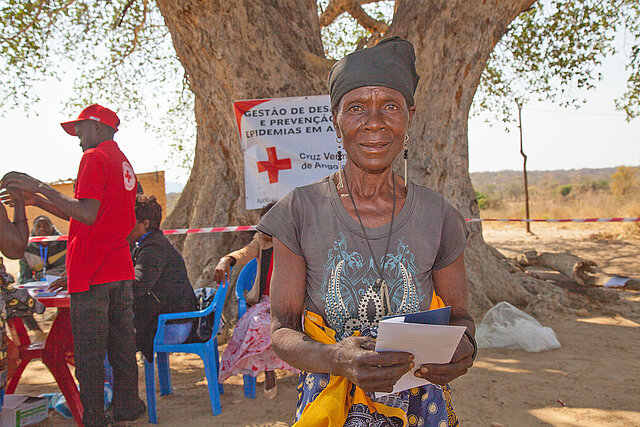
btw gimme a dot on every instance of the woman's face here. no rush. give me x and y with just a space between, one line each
138 231
372 122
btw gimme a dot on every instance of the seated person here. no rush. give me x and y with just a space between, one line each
161 284
19 303
13 242
41 259
249 350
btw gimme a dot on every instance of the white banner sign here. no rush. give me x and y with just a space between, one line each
287 142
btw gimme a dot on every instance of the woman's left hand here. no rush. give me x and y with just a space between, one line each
459 365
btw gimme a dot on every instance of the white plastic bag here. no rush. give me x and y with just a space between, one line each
504 326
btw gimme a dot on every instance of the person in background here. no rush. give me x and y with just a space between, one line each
161 284
19 303
99 266
249 350
14 237
44 258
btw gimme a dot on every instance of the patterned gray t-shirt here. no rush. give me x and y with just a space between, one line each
428 234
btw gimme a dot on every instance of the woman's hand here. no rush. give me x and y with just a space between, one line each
459 365
222 269
356 359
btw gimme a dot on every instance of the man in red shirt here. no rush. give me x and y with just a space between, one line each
99 266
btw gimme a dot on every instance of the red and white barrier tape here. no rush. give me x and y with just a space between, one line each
253 227
166 232
629 219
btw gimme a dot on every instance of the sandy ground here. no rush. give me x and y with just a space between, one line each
594 373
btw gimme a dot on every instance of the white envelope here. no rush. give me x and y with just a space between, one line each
427 343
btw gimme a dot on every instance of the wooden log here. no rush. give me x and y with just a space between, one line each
593 292
546 274
580 270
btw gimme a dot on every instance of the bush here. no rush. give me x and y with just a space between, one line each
486 201
482 200
594 186
515 191
624 181
565 190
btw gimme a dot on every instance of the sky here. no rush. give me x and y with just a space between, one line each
36 143
595 136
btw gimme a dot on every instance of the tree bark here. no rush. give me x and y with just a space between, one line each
232 51
265 49
453 40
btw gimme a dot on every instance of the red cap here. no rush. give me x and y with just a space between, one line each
96 113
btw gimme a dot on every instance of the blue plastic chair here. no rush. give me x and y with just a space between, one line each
208 351
244 283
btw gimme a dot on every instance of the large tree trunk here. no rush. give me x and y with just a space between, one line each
234 50
240 50
453 41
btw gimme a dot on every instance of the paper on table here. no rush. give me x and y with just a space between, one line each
33 285
50 278
40 288
40 284
427 343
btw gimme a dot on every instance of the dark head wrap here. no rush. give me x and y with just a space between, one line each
391 63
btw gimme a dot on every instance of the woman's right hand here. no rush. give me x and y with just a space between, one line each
222 269
356 359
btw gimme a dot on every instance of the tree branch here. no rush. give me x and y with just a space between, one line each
136 30
123 14
370 24
336 8
369 41
36 19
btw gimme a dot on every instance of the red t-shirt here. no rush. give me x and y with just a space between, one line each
99 253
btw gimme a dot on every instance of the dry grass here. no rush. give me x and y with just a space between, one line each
587 205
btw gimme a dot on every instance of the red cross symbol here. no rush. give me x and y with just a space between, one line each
128 176
273 165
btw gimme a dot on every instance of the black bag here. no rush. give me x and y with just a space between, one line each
205 298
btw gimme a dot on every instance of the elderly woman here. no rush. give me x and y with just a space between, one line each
361 244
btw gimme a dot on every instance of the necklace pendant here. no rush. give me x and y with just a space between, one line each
378 285
383 289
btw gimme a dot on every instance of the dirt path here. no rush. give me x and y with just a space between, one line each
595 372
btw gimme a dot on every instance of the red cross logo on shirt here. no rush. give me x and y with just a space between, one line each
273 165
128 176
